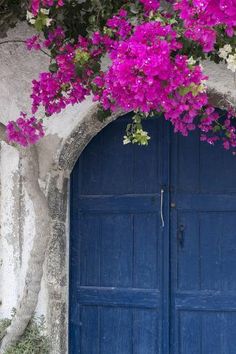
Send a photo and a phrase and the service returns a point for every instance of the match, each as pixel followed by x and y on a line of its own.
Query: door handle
pixel 161 208
pixel 180 235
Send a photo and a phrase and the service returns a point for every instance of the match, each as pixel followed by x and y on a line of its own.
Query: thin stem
pixel 43 51
pixel 12 41
pixel 21 41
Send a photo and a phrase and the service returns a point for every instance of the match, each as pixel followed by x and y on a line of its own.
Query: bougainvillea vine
pixel 154 67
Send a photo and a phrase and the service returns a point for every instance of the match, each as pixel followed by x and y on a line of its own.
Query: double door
pixel 152 246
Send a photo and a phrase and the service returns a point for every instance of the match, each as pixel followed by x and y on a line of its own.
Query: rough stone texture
pixel 57 285
pixel 80 137
pixel 18 67
pixel 57 196
pixel 56 263
pixel 221 84
pixel 67 135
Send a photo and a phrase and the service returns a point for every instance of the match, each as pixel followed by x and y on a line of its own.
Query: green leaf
pixel 53 67
pixel 134 9
pixel 79 69
pixel 216 128
pixel 103 114
pixel 172 21
pixel 184 91
pixel 39 24
pixel 95 66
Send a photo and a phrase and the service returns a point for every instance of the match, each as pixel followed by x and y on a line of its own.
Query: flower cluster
pixel 202 16
pixel 149 72
pixel 222 128
pixel 145 76
pixel 68 81
pixel 229 55
pixel 150 5
pixel 55 91
pixel 36 4
pixel 24 131
pixel 119 25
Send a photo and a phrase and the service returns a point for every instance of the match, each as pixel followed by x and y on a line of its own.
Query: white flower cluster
pixel 229 55
pixel 139 136
pixel 30 18
pixel 191 61
pixel 43 13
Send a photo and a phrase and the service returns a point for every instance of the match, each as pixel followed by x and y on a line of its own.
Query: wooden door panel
pixel 203 332
pixel 116 246
pixel 107 167
pixel 203 287
pixel 119 250
pixel 118 330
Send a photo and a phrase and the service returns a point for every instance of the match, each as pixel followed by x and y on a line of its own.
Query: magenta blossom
pixel 33 43
pixel 202 16
pixel 36 4
pixel 150 5
pixel 24 131
pixel 147 73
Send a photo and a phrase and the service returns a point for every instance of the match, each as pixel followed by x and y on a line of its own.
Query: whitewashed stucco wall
pixel 17 68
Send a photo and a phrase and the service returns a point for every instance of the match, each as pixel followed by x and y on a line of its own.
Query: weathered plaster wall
pixel 67 135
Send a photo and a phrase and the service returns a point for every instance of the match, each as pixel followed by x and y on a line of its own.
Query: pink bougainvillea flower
pixel 147 72
pixel 33 43
pixel 150 5
pixel 24 131
pixel 201 16
pixel 36 4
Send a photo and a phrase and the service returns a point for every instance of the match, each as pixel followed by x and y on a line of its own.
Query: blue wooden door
pixel 203 255
pixel 117 253
pixel 138 286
